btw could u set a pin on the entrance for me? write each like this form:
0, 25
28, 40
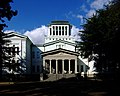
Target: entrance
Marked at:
59, 66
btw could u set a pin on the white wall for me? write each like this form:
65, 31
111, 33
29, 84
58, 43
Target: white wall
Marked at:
60, 45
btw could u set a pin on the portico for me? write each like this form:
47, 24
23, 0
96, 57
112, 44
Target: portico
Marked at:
60, 61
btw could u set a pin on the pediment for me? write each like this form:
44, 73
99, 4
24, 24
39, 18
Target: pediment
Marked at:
59, 52
14, 35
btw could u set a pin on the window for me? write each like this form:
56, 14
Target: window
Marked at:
38, 68
81, 68
50, 32
33, 54
56, 30
59, 46
38, 55
33, 68
17, 50
53, 30
13, 50
62, 30
13, 61
59, 30
66, 30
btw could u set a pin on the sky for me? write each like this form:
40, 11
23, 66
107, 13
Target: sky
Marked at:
34, 15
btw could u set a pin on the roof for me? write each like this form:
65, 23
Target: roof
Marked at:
59, 22
11, 34
59, 50
59, 41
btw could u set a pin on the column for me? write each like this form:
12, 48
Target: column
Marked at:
51, 31
64, 31
67, 30
55, 30
69, 66
50, 67
43, 64
56, 67
75, 65
63, 66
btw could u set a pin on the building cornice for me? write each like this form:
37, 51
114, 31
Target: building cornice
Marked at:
59, 50
59, 41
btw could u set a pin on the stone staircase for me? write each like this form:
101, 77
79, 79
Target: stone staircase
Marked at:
55, 77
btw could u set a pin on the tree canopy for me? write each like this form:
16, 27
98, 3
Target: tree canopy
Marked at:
6, 13
101, 37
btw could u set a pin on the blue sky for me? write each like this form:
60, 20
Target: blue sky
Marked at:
37, 14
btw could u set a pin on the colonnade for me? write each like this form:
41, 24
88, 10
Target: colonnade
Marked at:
59, 30
60, 66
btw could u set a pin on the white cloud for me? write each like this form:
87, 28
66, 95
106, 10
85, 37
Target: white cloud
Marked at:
95, 5
75, 32
83, 8
37, 35
90, 13
8, 31
99, 4
81, 18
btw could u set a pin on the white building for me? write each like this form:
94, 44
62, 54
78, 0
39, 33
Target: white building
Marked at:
58, 55
24, 45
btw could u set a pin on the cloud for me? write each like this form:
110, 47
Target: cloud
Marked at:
90, 13
96, 5
75, 33
81, 18
8, 31
83, 8
37, 35
99, 4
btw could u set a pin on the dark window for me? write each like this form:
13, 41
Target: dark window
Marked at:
17, 50
50, 32
13, 61
59, 30
38, 54
65, 30
13, 50
33, 68
53, 32
81, 68
38, 68
33, 54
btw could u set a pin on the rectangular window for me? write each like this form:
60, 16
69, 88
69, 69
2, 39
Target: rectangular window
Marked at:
33, 54
53, 32
33, 68
82, 68
38, 55
59, 30
38, 68
50, 32
66, 30
17, 50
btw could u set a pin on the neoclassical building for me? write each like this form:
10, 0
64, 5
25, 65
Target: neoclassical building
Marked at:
58, 55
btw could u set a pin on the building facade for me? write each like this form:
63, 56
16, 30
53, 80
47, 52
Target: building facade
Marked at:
58, 55
23, 47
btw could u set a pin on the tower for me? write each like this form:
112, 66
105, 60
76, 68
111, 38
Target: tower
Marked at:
59, 30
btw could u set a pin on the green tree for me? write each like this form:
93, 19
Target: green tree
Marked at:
100, 38
6, 13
